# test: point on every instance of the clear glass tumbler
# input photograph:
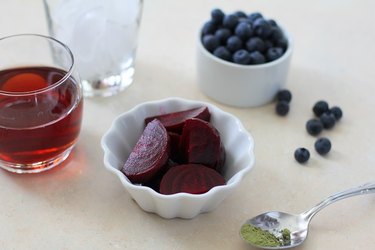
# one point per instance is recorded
(40, 103)
(103, 38)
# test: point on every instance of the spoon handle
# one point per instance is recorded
(366, 188)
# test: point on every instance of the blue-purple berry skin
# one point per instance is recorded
(282, 108)
(255, 15)
(209, 28)
(328, 120)
(223, 53)
(243, 30)
(337, 112)
(320, 107)
(257, 58)
(223, 34)
(274, 53)
(284, 95)
(301, 155)
(262, 28)
(217, 16)
(230, 21)
(241, 57)
(314, 126)
(210, 42)
(234, 43)
(323, 146)
(255, 44)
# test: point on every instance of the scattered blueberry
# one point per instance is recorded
(255, 44)
(284, 95)
(314, 126)
(234, 43)
(230, 21)
(241, 57)
(223, 34)
(282, 108)
(243, 30)
(320, 107)
(257, 58)
(322, 145)
(223, 53)
(274, 53)
(328, 120)
(337, 112)
(301, 155)
(217, 16)
(210, 42)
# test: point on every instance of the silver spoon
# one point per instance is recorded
(275, 222)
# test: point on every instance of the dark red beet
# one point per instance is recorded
(149, 155)
(190, 178)
(174, 122)
(154, 183)
(200, 143)
(175, 143)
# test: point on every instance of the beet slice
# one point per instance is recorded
(149, 155)
(174, 122)
(200, 143)
(190, 178)
(175, 144)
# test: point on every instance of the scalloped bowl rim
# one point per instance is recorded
(231, 183)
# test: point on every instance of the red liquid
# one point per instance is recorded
(41, 126)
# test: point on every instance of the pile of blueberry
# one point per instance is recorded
(326, 118)
(243, 39)
(283, 97)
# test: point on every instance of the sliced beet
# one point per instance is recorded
(200, 143)
(174, 122)
(149, 155)
(190, 178)
(154, 182)
(175, 143)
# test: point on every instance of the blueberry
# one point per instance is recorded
(284, 95)
(243, 30)
(240, 14)
(267, 44)
(328, 120)
(276, 34)
(272, 23)
(301, 155)
(274, 53)
(241, 57)
(255, 15)
(210, 42)
(262, 28)
(244, 20)
(230, 21)
(337, 112)
(282, 43)
(223, 34)
(234, 43)
(223, 53)
(323, 145)
(282, 108)
(255, 43)
(217, 16)
(314, 126)
(257, 58)
(209, 28)
(320, 107)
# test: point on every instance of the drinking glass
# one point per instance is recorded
(40, 103)
(103, 38)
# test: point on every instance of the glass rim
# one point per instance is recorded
(55, 84)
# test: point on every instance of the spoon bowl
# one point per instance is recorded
(275, 223)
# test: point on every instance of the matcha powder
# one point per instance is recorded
(259, 237)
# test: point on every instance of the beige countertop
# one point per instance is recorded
(80, 205)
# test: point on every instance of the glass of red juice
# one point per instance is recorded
(41, 103)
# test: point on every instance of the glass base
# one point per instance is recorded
(35, 167)
(108, 86)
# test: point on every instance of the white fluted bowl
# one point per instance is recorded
(125, 131)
